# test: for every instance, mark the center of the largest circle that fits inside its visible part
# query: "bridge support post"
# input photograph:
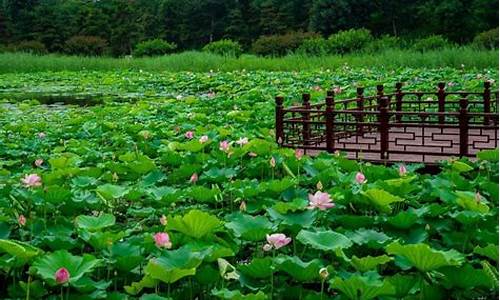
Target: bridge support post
(487, 101)
(463, 121)
(279, 120)
(329, 126)
(384, 128)
(441, 100)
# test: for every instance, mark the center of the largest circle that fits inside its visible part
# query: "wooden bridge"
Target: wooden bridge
(409, 126)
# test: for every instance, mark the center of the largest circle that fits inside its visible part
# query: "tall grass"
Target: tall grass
(464, 57)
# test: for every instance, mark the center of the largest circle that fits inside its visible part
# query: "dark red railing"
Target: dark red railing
(400, 126)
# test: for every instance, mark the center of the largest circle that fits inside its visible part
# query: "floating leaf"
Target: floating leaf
(368, 263)
(381, 199)
(195, 223)
(424, 258)
(365, 287)
(298, 269)
(77, 266)
(93, 224)
(324, 240)
(173, 265)
(250, 228)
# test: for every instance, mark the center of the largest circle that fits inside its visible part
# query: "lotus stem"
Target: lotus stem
(28, 288)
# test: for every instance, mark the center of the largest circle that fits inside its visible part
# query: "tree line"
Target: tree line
(191, 24)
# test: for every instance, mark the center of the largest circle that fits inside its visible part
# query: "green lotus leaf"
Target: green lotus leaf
(248, 227)
(192, 146)
(153, 297)
(126, 256)
(138, 163)
(203, 194)
(369, 237)
(56, 194)
(92, 224)
(164, 193)
(326, 240)
(47, 265)
(490, 251)
(195, 223)
(237, 295)
(111, 191)
(468, 201)
(461, 167)
(298, 269)
(403, 284)
(425, 258)
(303, 219)
(279, 185)
(358, 287)
(489, 155)
(381, 199)
(136, 287)
(465, 277)
(212, 251)
(174, 265)
(257, 268)
(368, 263)
(404, 219)
(22, 251)
(67, 160)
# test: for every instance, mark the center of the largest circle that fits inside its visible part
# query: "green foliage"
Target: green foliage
(115, 183)
(32, 47)
(433, 42)
(154, 47)
(352, 40)
(383, 43)
(85, 45)
(314, 47)
(277, 45)
(487, 39)
(224, 47)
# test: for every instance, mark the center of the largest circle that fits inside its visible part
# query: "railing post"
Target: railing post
(441, 100)
(306, 127)
(279, 120)
(329, 126)
(487, 101)
(380, 91)
(463, 120)
(399, 100)
(384, 128)
(361, 106)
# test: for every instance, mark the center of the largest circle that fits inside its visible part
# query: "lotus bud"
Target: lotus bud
(163, 220)
(21, 220)
(62, 276)
(267, 247)
(319, 186)
(323, 273)
(243, 206)
(272, 162)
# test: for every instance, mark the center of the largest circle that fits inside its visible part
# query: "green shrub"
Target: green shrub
(487, 39)
(278, 45)
(33, 47)
(385, 42)
(85, 45)
(314, 46)
(347, 41)
(433, 42)
(154, 47)
(224, 47)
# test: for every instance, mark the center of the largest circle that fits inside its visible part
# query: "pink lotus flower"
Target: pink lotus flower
(41, 135)
(320, 200)
(337, 90)
(402, 170)
(317, 88)
(162, 240)
(242, 141)
(278, 240)
(272, 162)
(62, 276)
(360, 178)
(224, 146)
(189, 134)
(32, 180)
(39, 162)
(203, 139)
(299, 153)
(194, 178)
(21, 220)
(163, 220)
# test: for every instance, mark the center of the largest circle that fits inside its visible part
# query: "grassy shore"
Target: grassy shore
(464, 57)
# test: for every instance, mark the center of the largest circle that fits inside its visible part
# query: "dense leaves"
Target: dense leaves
(173, 187)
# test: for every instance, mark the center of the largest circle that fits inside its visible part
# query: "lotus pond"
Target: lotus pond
(136, 185)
